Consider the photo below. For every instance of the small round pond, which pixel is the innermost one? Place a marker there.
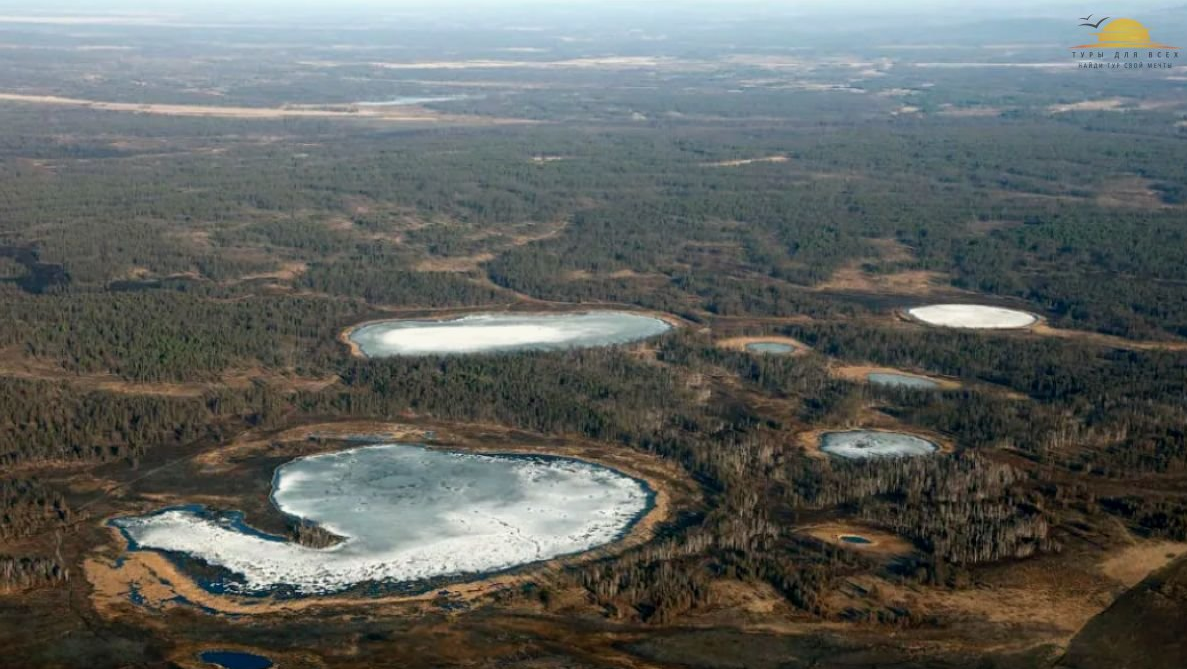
(406, 514)
(233, 659)
(492, 333)
(861, 444)
(901, 381)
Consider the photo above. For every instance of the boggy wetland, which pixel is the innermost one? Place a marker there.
(623, 337)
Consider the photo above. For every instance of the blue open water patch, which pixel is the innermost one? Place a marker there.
(233, 659)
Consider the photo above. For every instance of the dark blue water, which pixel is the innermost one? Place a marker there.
(229, 659)
(854, 539)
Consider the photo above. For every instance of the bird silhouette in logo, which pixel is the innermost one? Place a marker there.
(1088, 18)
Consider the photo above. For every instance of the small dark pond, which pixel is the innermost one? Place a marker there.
(230, 659)
(854, 539)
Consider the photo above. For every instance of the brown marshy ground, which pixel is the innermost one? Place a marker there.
(861, 373)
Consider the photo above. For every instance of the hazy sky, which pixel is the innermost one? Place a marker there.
(970, 8)
(833, 16)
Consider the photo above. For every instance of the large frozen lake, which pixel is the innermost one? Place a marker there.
(860, 444)
(408, 513)
(973, 316)
(488, 333)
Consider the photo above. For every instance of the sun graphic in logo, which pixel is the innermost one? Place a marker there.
(1124, 33)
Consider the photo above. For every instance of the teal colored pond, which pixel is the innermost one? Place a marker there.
(229, 659)
(854, 539)
(770, 347)
(902, 381)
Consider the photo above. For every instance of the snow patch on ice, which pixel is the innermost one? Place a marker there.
(861, 444)
(505, 332)
(973, 316)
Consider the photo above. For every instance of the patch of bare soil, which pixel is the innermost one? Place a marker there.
(195, 239)
(854, 279)
(979, 227)
(1108, 340)
(607, 62)
(892, 250)
(1134, 192)
(385, 114)
(583, 275)
(540, 232)
(286, 272)
(1046, 599)
(15, 365)
(20, 367)
(756, 599)
(340, 224)
(1129, 566)
(969, 112)
(458, 264)
(1039, 604)
(1107, 104)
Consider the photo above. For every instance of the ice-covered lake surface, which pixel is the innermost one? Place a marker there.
(974, 316)
(901, 381)
(770, 347)
(860, 444)
(409, 100)
(406, 513)
(490, 333)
